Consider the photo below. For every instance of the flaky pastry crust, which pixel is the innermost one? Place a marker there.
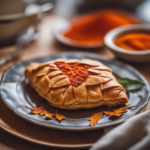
(99, 88)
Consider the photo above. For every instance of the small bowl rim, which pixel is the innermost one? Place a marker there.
(19, 15)
(110, 36)
(15, 16)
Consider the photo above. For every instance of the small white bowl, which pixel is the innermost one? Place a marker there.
(131, 56)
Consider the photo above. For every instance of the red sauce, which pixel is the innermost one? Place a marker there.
(77, 73)
(91, 28)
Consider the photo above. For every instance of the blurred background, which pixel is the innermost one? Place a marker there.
(12, 10)
(18, 16)
(68, 8)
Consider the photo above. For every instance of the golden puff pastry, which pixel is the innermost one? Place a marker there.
(75, 84)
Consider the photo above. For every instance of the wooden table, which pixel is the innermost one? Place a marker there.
(47, 45)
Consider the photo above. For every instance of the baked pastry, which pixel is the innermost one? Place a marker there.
(75, 84)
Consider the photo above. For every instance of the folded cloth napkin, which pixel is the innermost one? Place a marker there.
(134, 134)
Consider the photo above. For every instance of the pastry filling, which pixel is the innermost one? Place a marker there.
(77, 73)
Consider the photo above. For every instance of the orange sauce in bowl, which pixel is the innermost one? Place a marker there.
(91, 28)
(134, 41)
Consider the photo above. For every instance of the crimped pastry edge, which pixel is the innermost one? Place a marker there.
(78, 106)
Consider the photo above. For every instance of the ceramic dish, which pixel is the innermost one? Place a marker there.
(20, 9)
(16, 94)
(23, 35)
(10, 29)
(63, 24)
(132, 56)
(12, 7)
(12, 24)
(13, 124)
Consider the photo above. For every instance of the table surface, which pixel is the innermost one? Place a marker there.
(47, 45)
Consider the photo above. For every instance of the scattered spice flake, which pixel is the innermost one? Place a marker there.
(59, 116)
(94, 119)
(118, 112)
(37, 110)
(41, 111)
(34, 110)
(49, 115)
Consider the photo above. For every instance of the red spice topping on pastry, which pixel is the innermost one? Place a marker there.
(77, 73)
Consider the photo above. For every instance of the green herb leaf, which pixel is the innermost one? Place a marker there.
(134, 90)
(128, 82)
(130, 85)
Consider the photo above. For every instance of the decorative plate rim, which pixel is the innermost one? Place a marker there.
(79, 128)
